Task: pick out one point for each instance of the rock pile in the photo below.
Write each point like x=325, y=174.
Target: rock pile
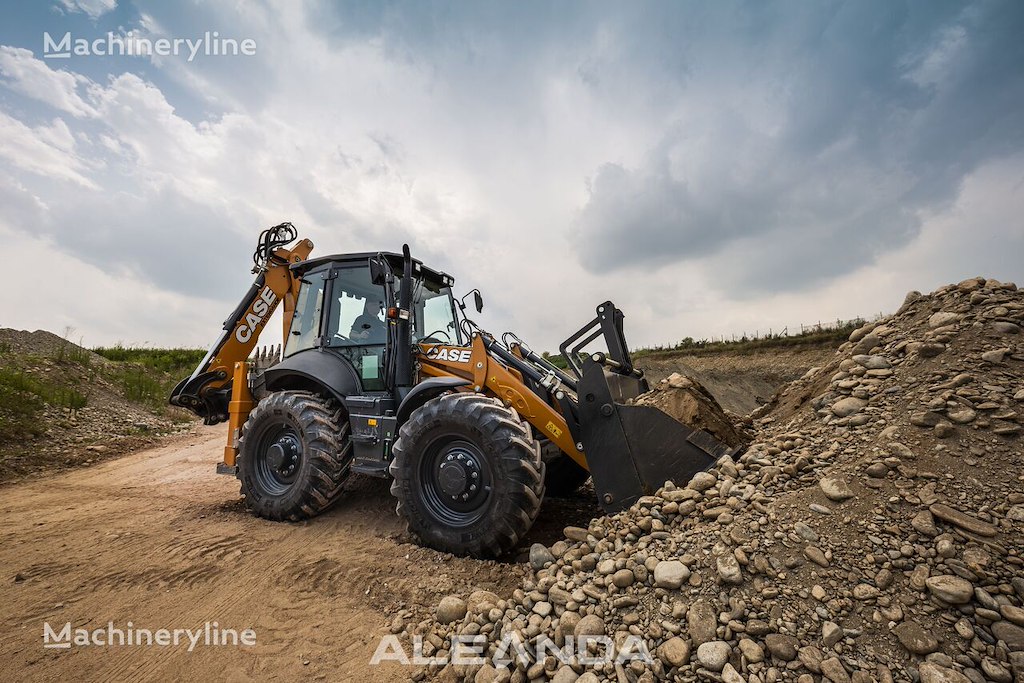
x=874, y=530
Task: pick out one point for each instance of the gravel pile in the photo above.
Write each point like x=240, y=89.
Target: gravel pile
x=873, y=531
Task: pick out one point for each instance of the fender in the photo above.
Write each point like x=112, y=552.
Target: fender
x=315, y=370
x=424, y=391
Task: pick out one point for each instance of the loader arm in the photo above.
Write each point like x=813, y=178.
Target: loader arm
x=207, y=391
x=630, y=450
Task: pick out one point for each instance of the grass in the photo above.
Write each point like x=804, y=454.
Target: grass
x=147, y=375
x=811, y=337
x=23, y=397
x=173, y=361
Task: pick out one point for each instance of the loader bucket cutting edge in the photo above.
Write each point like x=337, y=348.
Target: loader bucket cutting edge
x=633, y=450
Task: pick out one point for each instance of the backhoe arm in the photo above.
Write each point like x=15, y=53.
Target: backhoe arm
x=207, y=391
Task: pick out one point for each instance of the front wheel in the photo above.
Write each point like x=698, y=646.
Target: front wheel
x=294, y=456
x=468, y=475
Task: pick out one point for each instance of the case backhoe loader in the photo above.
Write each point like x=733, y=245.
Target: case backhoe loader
x=383, y=373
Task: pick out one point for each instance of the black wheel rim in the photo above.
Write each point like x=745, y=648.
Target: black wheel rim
x=456, y=481
x=278, y=459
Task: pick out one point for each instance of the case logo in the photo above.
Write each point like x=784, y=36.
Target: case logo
x=449, y=354
x=261, y=308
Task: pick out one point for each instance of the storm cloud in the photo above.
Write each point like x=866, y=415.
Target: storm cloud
x=814, y=141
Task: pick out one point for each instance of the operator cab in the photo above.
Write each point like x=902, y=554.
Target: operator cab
x=340, y=309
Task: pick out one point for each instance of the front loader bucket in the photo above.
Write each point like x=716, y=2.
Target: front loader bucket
x=632, y=450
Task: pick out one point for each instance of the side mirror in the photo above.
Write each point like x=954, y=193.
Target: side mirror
x=478, y=300
x=379, y=270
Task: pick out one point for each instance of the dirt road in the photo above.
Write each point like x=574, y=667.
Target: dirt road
x=157, y=539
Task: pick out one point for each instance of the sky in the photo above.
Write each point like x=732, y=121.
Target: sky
x=713, y=168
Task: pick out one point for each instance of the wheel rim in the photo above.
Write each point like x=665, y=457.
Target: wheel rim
x=456, y=481
x=278, y=459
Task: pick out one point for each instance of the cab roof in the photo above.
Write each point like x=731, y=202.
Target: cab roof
x=394, y=260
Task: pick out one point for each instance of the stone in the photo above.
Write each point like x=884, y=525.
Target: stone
x=702, y=622
x=590, y=625
x=575, y=533
x=962, y=520
x=540, y=556
x=865, y=591
x=1011, y=634
x=1014, y=615
x=1006, y=327
x=952, y=590
x=730, y=675
x=781, y=646
x=714, y=654
x=943, y=318
x=670, y=574
x=451, y=608
x=927, y=418
x=542, y=608
x=751, y=650
x=565, y=674
x=994, y=671
x=962, y=415
x=995, y=356
x=915, y=639
x=729, y=569
x=924, y=523
x=933, y=673
x=834, y=671
x=623, y=578
x=869, y=342
x=815, y=555
x=930, y=349
x=674, y=652
x=831, y=633
x=875, y=362
x=848, y=406
x=836, y=488
x=702, y=481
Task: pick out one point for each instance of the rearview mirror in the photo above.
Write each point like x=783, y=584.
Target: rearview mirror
x=478, y=300
x=379, y=270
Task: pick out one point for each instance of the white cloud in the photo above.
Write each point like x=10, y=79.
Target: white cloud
x=32, y=77
x=93, y=8
x=48, y=151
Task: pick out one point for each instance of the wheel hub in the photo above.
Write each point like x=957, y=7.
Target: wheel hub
x=458, y=474
x=283, y=455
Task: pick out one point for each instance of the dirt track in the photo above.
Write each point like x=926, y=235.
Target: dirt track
x=156, y=538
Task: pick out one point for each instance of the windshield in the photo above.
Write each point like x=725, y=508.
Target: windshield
x=434, y=315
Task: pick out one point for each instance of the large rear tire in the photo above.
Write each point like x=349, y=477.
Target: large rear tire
x=294, y=456
x=468, y=475
x=562, y=476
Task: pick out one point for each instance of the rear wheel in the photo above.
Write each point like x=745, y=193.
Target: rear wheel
x=467, y=475
x=562, y=477
x=294, y=456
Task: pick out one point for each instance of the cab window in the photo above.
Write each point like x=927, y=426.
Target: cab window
x=305, y=325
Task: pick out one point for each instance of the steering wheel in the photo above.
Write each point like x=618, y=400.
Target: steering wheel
x=430, y=338
x=338, y=335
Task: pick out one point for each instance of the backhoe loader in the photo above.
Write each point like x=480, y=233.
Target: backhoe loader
x=382, y=372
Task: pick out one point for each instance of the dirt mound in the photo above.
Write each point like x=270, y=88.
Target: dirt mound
x=740, y=382
x=62, y=405
x=874, y=531
x=686, y=400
